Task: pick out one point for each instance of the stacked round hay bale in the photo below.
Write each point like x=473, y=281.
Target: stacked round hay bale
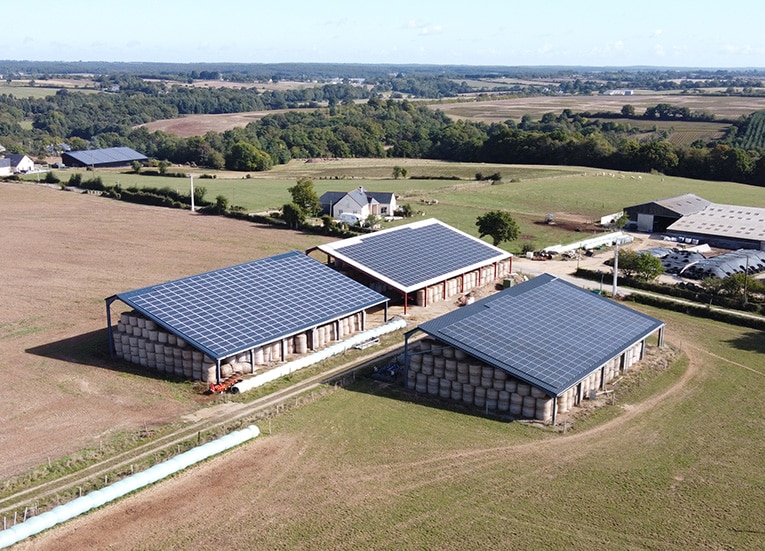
x=439, y=366
x=433, y=384
x=427, y=364
x=450, y=370
x=500, y=378
x=421, y=295
x=300, y=345
x=491, y=399
x=209, y=370
x=487, y=376
x=468, y=393
x=516, y=403
x=474, y=373
x=529, y=407
x=479, y=397
x=463, y=371
x=421, y=383
x=544, y=409
x=444, y=388
x=503, y=401
x=456, y=391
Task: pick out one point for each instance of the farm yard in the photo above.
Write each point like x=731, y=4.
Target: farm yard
x=668, y=465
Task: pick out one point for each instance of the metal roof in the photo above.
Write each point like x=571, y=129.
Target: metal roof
x=234, y=309
x=728, y=221
x=684, y=204
x=415, y=255
x=105, y=156
x=546, y=332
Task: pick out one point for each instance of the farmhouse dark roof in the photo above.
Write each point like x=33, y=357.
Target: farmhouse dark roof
x=546, y=331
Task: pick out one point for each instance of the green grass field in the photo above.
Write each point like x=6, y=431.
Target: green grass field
x=377, y=470
x=528, y=192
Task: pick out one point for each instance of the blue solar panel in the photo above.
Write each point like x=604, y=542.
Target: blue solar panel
x=411, y=256
x=546, y=331
x=106, y=156
x=233, y=309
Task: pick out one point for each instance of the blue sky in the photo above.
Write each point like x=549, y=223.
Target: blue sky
x=478, y=32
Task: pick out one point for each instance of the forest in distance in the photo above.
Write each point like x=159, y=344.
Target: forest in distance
x=385, y=112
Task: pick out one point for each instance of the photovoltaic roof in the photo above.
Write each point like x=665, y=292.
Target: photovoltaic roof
x=105, y=156
x=234, y=309
x=412, y=256
x=546, y=332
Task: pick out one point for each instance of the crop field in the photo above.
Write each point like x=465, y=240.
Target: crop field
x=579, y=196
x=493, y=110
x=676, y=462
x=44, y=88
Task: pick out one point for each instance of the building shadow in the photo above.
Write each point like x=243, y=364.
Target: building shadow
x=92, y=349
x=362, y=381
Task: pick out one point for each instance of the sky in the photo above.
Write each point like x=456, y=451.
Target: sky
x=665, y=33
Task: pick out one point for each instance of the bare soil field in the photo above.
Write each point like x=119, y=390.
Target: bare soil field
x=198, y=125
x=62, y=255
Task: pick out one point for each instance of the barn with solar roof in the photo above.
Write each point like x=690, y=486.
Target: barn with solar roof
x=240, y=318
x=422, y=262
x=534, y=350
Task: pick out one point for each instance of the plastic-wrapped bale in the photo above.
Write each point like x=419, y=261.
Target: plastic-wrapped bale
x=511, y=385
x=439, y=364
x=523, y=389
x=487, y=382
x=447, y=352
x=301, y=343
x=459, y=355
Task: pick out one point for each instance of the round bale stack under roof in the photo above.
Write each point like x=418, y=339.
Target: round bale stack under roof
x=531, y=351
x=211, y=325
x=425, y=261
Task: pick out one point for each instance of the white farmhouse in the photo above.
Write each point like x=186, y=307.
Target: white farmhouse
x=358, y=203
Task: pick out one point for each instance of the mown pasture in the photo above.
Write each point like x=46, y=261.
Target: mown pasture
x=529, y=192
x=677, y=462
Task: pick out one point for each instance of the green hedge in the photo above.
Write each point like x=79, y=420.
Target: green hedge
x=699, y=311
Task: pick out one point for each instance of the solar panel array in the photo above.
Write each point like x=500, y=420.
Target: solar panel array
x=105, y=156
x=412, y=255
x=546, y=332
x=233, y=309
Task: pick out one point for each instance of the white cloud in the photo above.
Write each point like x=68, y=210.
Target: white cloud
x=657, y=33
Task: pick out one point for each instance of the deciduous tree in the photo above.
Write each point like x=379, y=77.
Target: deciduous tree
x=498, y=224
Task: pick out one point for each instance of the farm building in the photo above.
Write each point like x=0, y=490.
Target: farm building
x=209, y=326
x=657, y=216
x=533, y=350
x=423, y=261
x=16, y=164
x=103, y=158
x=358, y=203
x=691, y=219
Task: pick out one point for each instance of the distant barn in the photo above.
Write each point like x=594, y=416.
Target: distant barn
x=103, y=158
